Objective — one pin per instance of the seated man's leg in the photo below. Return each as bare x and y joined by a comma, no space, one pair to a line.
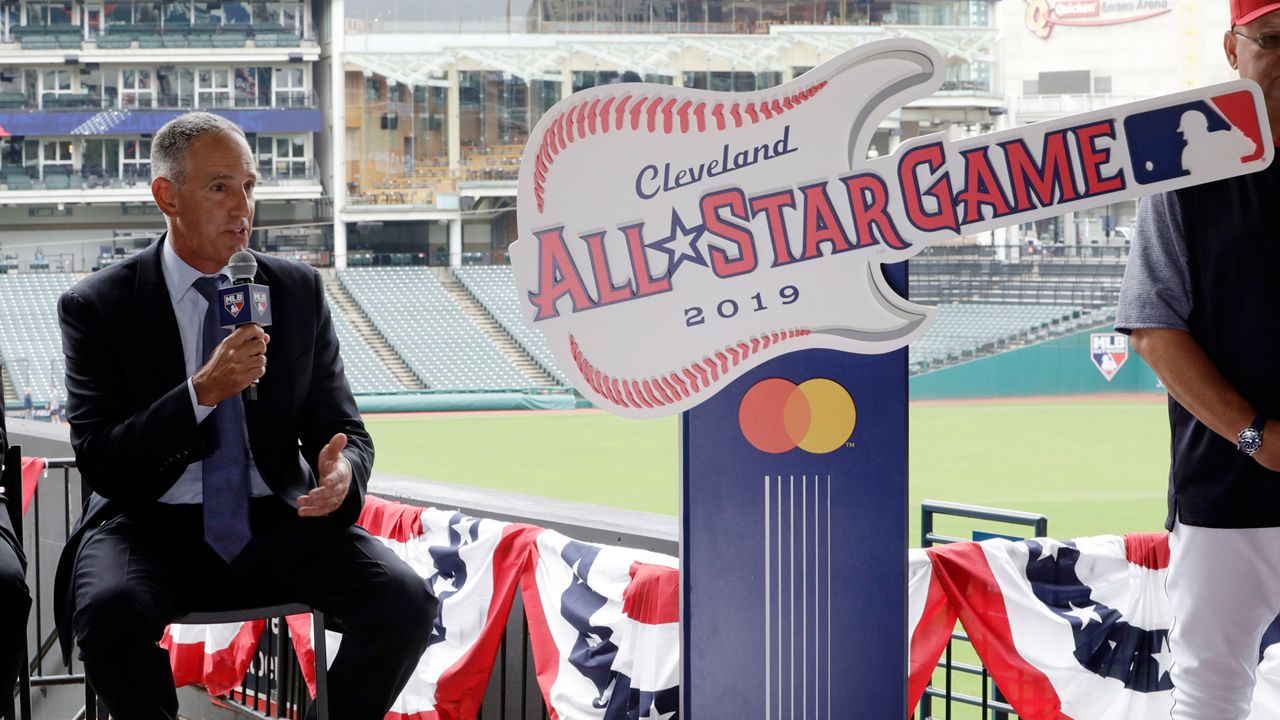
15,598
128,581
386,611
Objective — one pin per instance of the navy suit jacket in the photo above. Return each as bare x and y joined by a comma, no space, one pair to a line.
132,425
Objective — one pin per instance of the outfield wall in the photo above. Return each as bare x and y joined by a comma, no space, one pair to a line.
1056,367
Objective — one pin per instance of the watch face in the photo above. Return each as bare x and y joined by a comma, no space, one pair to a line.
1250,441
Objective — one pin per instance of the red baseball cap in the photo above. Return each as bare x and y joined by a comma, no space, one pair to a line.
1246,11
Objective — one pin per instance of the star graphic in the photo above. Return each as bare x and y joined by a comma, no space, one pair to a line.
1083,614
681,245
655,715
1049,548
464,527
1163,658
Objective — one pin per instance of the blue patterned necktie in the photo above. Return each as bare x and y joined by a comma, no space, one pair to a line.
226,470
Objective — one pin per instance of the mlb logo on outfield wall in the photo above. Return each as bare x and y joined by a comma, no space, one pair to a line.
1108,351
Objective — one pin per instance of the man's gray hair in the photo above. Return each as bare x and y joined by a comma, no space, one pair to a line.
170,144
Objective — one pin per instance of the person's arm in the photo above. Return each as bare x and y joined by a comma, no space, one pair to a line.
329,410
128,455
1195,382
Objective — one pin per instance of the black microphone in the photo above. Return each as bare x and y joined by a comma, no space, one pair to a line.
244,302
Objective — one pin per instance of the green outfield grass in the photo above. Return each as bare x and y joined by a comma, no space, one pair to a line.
1093,466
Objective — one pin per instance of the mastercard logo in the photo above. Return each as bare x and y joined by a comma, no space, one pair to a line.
816,416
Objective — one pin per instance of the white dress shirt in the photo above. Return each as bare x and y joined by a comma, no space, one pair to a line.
189,306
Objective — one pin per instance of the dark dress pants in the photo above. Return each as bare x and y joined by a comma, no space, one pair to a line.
139,571
15,605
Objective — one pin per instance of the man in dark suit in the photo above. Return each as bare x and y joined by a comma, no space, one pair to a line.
202,500
15,598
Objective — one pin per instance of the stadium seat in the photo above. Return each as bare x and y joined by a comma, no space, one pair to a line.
964,330
429,331
365,372
30,344
494,286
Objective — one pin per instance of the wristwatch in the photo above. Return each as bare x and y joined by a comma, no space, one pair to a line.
1251,437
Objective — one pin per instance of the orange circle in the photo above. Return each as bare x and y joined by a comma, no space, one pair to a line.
760,411
797,416
776,415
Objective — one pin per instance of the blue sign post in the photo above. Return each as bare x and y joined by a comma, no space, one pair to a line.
793,563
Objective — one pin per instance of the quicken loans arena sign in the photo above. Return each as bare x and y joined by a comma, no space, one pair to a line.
671,238
1042,15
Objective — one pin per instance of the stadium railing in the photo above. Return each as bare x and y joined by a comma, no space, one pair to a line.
274,687
990,701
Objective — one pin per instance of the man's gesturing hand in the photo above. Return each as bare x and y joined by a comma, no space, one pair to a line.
238,360
335,479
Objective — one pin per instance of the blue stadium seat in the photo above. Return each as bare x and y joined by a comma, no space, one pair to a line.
424,325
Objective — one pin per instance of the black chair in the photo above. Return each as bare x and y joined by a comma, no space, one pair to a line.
11,479
96,710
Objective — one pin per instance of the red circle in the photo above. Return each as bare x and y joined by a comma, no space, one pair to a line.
771,413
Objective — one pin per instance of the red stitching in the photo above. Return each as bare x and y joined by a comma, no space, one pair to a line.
670,388
635,384
622,110
582,121
710,365
679,383
635,112
591,116
654,105
693,379
648,392
604,114
567,128
586,116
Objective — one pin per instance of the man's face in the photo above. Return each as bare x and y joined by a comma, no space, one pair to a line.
211,213
1254,63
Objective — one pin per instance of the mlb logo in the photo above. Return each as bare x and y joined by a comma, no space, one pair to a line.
1108,352
234,303
1198,138
261,301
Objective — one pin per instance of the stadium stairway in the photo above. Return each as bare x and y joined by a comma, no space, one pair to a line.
341,301
492,330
